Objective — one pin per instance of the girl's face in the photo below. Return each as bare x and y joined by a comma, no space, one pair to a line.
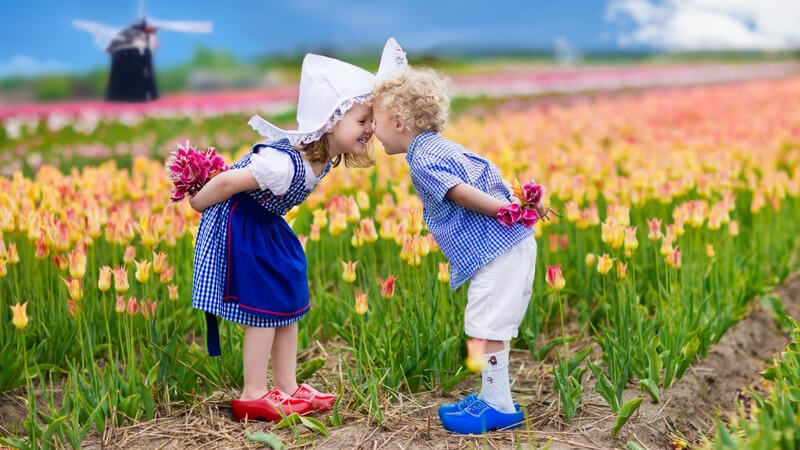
352,132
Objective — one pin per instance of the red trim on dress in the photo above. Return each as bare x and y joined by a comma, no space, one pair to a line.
228,268
273,312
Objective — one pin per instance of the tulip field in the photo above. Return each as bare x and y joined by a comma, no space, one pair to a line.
678,208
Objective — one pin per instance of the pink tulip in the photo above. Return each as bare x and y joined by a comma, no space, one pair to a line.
529,217
532,193
509,214
190,169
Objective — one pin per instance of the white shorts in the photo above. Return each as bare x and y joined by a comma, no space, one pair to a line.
499,293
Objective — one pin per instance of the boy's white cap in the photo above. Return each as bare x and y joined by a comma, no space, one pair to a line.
393,60
328,89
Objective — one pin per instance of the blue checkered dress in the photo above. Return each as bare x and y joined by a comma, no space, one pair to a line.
468,239
210,265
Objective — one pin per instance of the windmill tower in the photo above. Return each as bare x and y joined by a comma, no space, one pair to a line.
132,78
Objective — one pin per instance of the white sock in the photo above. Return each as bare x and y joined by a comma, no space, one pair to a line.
495,388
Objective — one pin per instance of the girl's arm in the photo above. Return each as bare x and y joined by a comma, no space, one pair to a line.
222,187
474,199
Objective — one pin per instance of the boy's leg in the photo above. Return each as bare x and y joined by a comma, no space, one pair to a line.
498,297
284,358
255,358
495,385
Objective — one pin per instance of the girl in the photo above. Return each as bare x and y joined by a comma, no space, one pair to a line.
249,266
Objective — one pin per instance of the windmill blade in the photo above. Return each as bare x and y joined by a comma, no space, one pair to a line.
102,34
182,26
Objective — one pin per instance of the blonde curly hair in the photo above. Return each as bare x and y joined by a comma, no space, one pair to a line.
417,95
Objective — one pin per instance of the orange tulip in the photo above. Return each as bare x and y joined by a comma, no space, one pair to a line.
654,227
361,303
13,256
173,292
387,286
159,261
130,254
166,274
121,279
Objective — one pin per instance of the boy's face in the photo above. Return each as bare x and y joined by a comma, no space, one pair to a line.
389,130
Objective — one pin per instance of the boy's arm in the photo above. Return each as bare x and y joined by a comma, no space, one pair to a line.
222,187
474,199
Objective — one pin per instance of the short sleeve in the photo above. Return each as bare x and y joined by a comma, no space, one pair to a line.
435,175
272,169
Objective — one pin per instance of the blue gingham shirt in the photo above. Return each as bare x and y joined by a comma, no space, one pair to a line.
468,239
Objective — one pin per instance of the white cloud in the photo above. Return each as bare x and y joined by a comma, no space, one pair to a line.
26,66
708,24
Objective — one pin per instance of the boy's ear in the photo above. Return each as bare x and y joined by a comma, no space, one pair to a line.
399,124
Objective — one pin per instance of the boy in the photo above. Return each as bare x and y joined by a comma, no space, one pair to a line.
461,194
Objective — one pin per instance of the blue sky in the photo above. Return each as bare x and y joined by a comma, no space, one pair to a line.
37,35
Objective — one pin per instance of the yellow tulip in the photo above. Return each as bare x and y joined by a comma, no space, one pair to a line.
74,288
622,269
590,259
710,251
631,243
20,317
363,200
733,228
349,271
77,263
476,348
104,279
142,271
604,264
444,272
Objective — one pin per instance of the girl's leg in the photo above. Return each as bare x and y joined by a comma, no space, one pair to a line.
284,358
256,348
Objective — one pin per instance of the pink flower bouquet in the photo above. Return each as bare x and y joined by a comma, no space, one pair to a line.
530,209
190,169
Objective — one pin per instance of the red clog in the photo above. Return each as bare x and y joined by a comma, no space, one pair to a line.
270,407
319,401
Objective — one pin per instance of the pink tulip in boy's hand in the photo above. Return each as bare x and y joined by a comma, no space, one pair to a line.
529,217
509,214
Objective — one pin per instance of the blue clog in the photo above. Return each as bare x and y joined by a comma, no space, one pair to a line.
478,418
466,401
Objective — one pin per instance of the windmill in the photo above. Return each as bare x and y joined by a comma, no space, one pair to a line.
131,78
